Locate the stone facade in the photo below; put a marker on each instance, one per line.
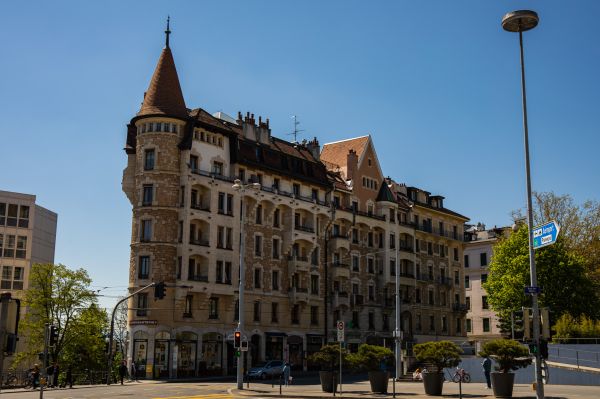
(322, 233)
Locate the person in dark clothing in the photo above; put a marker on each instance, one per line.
(133, 371)
(55, 373)
(122, 371)
(487, 368)
(35, 376)
(69, 379)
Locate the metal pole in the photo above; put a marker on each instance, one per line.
(112, 329)
(512, 324)
(534, 305)
(397, 332)
(340, 368)
(240, 381)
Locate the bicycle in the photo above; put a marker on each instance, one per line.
(460, 375)
(11, 380)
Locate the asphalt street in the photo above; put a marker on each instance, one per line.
(142, 390)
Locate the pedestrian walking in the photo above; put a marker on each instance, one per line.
(286, 374)
(55, 371)
(133, 370)
(69, 379)
(487, 368)
(122, 371)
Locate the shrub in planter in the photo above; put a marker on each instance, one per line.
(509, 355)
(439, 354)
(328, 359)
(375, 360)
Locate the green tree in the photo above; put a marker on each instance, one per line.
(61, 297)
(561, 274)
(579, 225)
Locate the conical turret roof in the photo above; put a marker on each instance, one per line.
(164, 95)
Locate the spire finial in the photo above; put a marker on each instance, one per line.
(168, 31)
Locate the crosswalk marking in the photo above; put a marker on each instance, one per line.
(205, 396)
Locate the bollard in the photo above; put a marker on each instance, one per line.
(280, 384)
(333, 384)
(394, 387)
(460, 386)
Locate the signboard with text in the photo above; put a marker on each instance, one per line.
(545, 234)
(340, 331)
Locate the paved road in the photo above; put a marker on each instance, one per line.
(142, 390)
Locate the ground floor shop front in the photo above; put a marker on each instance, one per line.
(157, 353)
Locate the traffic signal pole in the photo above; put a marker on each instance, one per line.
(112, 329)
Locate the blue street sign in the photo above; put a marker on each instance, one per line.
(532, 290)
(545, 234)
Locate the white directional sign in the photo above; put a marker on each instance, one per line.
(340, 331)
(545, 234)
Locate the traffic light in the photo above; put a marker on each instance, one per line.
(544, 349)
(237, 339)
(53, 339)
(238, 353)
(533, 348)
(160, 290)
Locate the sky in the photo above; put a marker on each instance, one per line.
(435, 83)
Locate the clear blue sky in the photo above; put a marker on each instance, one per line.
(436, 83)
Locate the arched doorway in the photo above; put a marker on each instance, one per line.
(187, 344)
(161, 355)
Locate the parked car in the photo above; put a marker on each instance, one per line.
(267, 370)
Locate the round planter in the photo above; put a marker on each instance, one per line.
(433, 383)
(503, 383)
(379, 381)
(329, 381)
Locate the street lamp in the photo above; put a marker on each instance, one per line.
(521, 21)
(241, 188)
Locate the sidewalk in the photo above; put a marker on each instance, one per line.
(361, 389)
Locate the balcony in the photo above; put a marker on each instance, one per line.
(357, 300)
(196, 277)
(202, 243)
(405, 247)
(200, 207)
(306, 229)
(212, 175)
(359, 213)
(424, 277)
(298, 264)
(407, 275)
(340, 241)
(460, 307)
(297, 294)
(445, 281)
(340, 270)
(340, 299)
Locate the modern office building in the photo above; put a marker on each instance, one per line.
(323, 230)
(27, 236)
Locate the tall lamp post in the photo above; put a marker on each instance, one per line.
(241, 188)
(521, 21)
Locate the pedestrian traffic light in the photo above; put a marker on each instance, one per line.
(53, 339)
(238, 353)
(160, 290)
(533, 348)
(237, 339)
(544, 349)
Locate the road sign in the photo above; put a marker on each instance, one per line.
(545, 234)
(532, 290)
(340, 331)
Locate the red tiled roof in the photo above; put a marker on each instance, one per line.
(337, 153)
(164, 94)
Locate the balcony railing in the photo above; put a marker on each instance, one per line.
(442, 233)
(359, 213)
(202, 243)
(200, 207)
(459, 307)
(213, 175)
(445, 280)
(407, 275)
(298, 258)
(198, 278)
(306, 229)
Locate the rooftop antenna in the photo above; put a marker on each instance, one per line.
(296, 130)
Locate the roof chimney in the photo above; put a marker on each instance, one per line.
(351, 164)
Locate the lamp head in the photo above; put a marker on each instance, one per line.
(520, 21)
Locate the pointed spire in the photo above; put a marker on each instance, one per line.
(164, 95)
(167, 32)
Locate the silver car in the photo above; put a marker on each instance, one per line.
(271, 369)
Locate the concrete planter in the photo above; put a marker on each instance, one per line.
(329, 381)
(503, 383)
(379, 381)
(433, 383)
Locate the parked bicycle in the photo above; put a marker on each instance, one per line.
(459, 375)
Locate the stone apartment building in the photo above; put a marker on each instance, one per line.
(481, 322)
(27, 236)
(322, 233)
